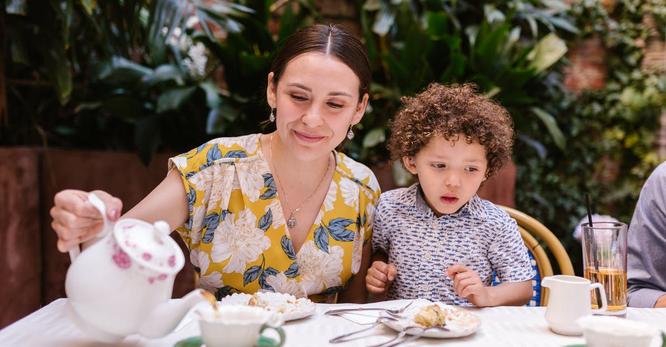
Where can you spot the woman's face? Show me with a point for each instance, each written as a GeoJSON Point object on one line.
{"type": "Point", "coordinates": [317, 99]}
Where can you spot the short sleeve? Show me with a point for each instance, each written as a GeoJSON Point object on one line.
{"type": "Point", "coordinates": [380, 240]}
{"type": "Point", "coordinates": [207, 182]}
{"type": "Point", "coordinates": [508, 254]}
{"type": "Point", "coordinates": [371, 214]}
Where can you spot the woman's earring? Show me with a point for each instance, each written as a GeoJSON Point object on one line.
{"type": "Point", "coordinates": [272, 116]}
{"type": "Point", "coordinates": [350, 133]}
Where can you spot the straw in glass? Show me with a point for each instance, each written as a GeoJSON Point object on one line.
{"type": "Point", "coordinates": [593, 245]}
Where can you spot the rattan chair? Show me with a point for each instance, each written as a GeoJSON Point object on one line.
{"type": "Point", "coordinates": [535, 235]}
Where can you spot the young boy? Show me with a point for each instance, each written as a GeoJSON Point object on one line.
{"type": "Point", "coordinates": [437, 239]}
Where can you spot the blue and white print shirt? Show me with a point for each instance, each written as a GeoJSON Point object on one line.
{"type": "Point", "coordinates": [422, 246]}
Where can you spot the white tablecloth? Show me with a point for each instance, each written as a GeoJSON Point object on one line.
{"type": "Point", "coordinates": [500, 326]}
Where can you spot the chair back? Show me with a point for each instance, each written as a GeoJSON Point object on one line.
{"type": "Point", "coordinates": [536, 236]}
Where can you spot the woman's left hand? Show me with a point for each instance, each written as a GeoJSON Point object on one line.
{"type": "Point", "coordinates": [467, 284]}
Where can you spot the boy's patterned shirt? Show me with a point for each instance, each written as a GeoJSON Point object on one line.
{"type": "Point", "coordinates": [422, 246]}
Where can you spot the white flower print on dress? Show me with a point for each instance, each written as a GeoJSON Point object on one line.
{"type": "Point", "coordinates": [180, 162]}
{"type": "Point", "coordinates": [249, 143]}
{"type": "Point", "coordinates": [282, 284]}
{"type": "Point", "coordinates": [200, 259]}
{"type": "Point", "coordinates": [329, 201]}
{"type": "Point", "coordinates": [276, 210]}
{"type": "Point", "coordinates": [211, 281]}
{"type": "Point", "coordinates": [241, 241]}
{"type": "Point", "coordinates": [223, 184]}
{"type": "Point", "coordinates": [349, 190]}
{"type": "Point", "coordinates": [369, 214]}
{"type": "Point", "coordinates": [204, 178]}
{"type": "Point", "coordinates": [251, 178]}
{"type": "Point", "coordinates": [319, 270]}
{"type": "Point", "coordinates": [358, 170]}
{"type": "Point", "coordinates": [198, 214]}
{"type": "Point", "coordinates": [357, 250]}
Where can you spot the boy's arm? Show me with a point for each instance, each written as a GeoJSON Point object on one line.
{"type": "Point", "coordinates": [510, 293]}
{"type": "Point", "coordinates": [378, 255]}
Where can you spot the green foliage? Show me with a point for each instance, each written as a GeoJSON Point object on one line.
{"type": "Point", "coordinates": [610, 132]}
{"type": "Point", "coordinates": [169, 74]}
{"type": "Point", "coordinates": [506, 48]}
{"type": "Point", "coordinates": [139, 75]}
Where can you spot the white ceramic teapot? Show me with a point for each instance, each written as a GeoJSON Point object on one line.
{"type": "Point", "coordinates": [569, 299]}
{"type": "Point", "coordinates": [121, 285]}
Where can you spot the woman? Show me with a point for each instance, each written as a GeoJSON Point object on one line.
{"type": "Point", "coordinates": [281, 211]}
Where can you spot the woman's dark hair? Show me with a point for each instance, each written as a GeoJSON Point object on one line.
{"type": "Point", "coordinates": [327, 39]}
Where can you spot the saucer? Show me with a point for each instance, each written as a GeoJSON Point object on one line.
{"type": "Point", "coordinates": [196, 341]}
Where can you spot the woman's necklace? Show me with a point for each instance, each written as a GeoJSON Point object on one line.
{"type": "Point", "coordinates": [291, 221]}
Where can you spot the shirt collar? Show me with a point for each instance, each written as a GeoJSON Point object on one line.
{"type": "Point", "coordinates": [473, 208]}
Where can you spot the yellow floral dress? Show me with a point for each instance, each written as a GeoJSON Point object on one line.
{"type": "Point", "coordinates": [236, 230]}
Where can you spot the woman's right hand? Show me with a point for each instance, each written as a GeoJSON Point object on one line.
{"type": "Point", "coordinates": [76, 220]}
{"type": "Point", "coordinates": [380, 276]}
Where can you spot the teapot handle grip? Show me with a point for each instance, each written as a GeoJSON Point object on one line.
{"type": "Point", "coordinates": [101, 207]}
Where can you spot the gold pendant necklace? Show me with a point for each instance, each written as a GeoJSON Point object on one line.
{"type": "Point", "coordinates": [291, 221]}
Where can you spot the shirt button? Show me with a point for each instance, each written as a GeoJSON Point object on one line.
{"type": "Point", "coordinates": [434, 224]}
{"type": "Point", "coordinates": [427, 256]}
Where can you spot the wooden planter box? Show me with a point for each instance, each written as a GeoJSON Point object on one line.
{"type": "Point", "coordinates": [32, 269]}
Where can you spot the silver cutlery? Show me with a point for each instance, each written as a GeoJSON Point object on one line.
{"type": "Point", "coordinates": [351, 336]}
{"type": "Point", "coordinates": [400, 338]}
{"type": "Point", "coordinates": [392, 312]}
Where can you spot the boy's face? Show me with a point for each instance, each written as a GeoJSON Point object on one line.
{"type": "Point", "coordinates": [450, 172]}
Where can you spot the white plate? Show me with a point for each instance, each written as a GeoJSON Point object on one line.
{"type": "Point", "coordinates": [459, 321]}
{"type": "Point", "coordinates": [291, 307]}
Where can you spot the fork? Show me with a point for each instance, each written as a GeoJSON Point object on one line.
{"type": "Point", "coordinates": [392, 312]}
{"type": "Point", "coordinates": [398, 340]}
{"type": "Point", "coordinates": [350, 336]}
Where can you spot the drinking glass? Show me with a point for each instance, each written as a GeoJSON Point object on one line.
{"type": "Point", "coordinates": [605, 261]}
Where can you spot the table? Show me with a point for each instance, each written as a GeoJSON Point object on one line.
{"type": "Point", "coordinates": [500, 326]}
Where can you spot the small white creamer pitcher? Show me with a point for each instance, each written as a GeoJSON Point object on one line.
{"type": "Point", "coordinates": [569, 299]}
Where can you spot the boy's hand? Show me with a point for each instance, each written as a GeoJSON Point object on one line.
{"type": "Point", "coordinates": [380, 276]}
{"type": "Point", "coordinates": [468, 285]}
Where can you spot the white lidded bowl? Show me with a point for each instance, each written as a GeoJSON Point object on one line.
{"type": "Point", "coordinates": [608, 331]}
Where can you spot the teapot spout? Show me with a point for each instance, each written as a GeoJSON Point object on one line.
{"type": "Point", "coordinates": [166, 316]}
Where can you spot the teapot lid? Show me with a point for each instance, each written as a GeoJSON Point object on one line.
{"type": "Point", "coordinates": [149, 245]}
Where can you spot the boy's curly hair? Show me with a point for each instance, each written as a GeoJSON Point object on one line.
{"type": "Point", "coordinates": [449, 111]}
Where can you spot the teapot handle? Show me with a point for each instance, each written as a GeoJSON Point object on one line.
{"type": "Point", "coordinates": [101, 207]}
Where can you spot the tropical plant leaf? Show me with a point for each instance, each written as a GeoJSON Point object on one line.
{"type": "Point", "coordinates": [213, 154]}
{"type": "Point", "coordinates": [292, 271]}
{"type": "Point", "coordinates": [251, 274]}
{"type": "Point", "coordinates": [550, 123]}
{"type": "Point", "coordinates": [265, 221]}
{"type": "Point", "coordinates": [374, 137]}
{"type": "Point", "coordinates": [89, 5]}
{"type": "Point", "coordinates": [164, 72]}
{"type": "Point", "coordinates": [288, 247]}
{"type": "Point", "coordinates": [321, 239]}
{"type": "Point", "coordinates": [264, 274]}
{"type": "Point", "coordinates": [173, 99]}
{"type": "Point", "coordinates": [547, 52]}
{"type": "Point", "coordinates": [210, 222]}
{"type": "Point", "coordinates": [337, 229]}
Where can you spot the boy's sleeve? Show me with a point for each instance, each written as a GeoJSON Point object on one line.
{"type": "Point", "coordinates": [379, 235]}
{"type": "Point", "coordinates": [508, 254]}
